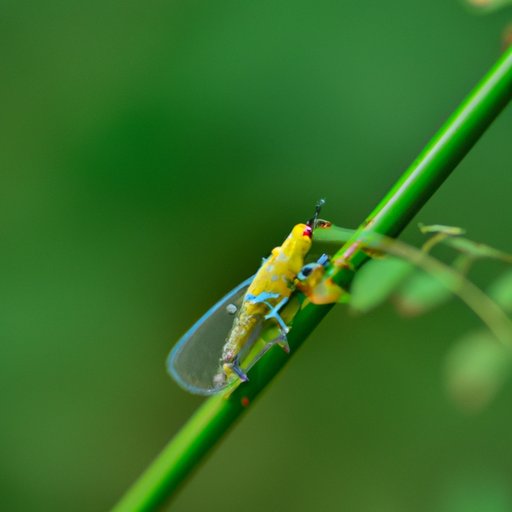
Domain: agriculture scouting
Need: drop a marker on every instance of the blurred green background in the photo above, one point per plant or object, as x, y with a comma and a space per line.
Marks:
150, 154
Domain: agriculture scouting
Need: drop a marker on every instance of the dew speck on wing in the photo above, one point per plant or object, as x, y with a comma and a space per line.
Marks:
231, 309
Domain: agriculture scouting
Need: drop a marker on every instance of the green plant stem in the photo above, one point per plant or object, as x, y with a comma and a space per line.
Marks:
217, 414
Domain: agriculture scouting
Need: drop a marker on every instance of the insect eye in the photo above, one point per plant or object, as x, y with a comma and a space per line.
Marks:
308, 232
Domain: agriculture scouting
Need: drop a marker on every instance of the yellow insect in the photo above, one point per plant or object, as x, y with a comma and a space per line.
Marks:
211, 353
267, 294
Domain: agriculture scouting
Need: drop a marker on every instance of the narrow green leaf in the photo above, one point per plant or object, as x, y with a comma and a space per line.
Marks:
476, 368
376, 281
477, 250
332, 234
501, 291
441, 228
438, 232
421, 293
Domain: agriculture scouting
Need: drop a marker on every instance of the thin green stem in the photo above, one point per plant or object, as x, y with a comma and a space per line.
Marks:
215, 417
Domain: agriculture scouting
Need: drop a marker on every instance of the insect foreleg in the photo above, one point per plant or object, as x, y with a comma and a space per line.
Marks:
274, 313
323, 260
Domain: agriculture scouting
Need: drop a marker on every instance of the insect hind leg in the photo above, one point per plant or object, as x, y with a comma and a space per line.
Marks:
234, 367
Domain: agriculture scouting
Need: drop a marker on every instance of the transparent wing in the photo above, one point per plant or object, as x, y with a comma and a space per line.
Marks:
194, 360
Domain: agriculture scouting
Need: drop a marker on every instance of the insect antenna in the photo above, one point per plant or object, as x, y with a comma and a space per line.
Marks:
313, 221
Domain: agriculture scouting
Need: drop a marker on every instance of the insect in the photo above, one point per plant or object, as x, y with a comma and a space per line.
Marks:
222, 345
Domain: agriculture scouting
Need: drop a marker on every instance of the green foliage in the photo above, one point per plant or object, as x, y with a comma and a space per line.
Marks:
501, 291
441, 229
478, 363
477, 250
424, 292
476, 367
376, 281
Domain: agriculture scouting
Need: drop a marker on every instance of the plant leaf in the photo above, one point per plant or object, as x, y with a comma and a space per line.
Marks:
476, 367
477, 250
501, 291
422, 292
441, 228
376, 281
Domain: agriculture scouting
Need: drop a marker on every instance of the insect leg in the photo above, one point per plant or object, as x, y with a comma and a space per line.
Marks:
323, 260
263, 298
234, 367
274, 313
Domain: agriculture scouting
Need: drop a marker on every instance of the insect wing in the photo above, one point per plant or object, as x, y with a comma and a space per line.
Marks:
194, 360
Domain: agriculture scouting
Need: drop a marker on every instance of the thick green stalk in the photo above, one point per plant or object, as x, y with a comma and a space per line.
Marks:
214, 418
